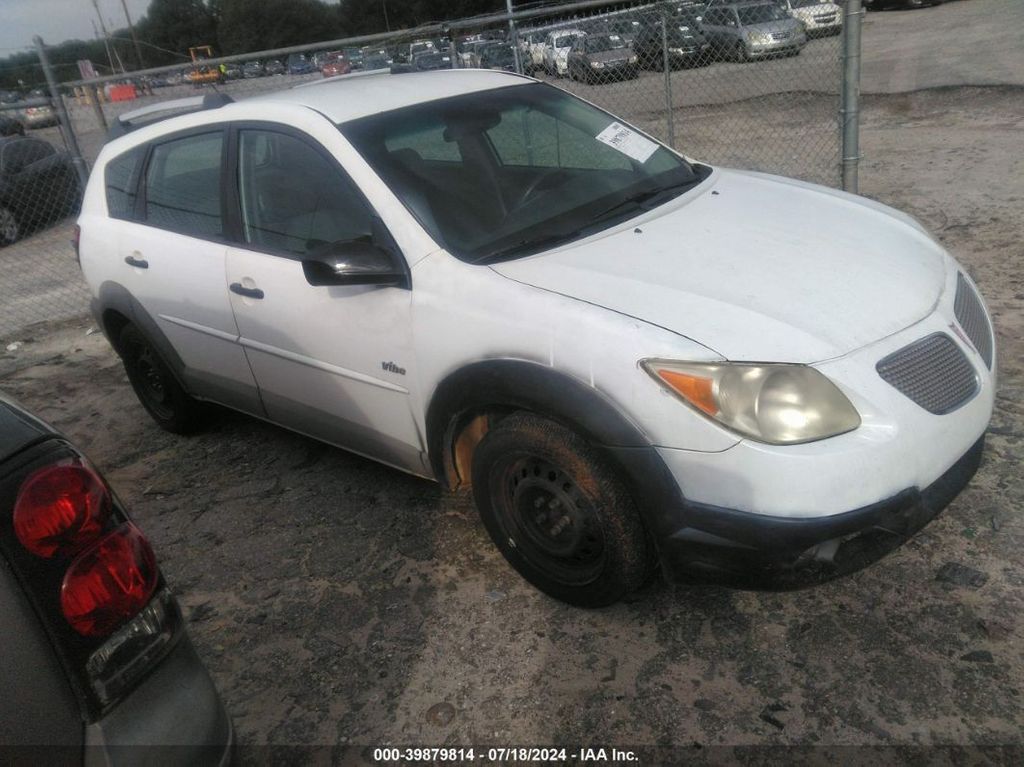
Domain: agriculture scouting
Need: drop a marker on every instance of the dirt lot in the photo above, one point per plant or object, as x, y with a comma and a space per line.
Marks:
337, 601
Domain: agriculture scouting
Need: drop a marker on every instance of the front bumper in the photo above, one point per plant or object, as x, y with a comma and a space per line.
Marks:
757, 551
757, 50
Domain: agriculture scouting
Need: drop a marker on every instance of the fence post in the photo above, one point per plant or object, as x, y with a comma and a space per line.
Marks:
93, 94
515, 37
666, 66
62, 113
849, 111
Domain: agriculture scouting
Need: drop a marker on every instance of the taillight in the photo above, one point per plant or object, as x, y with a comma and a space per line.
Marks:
60, 509
90, 573
109, 583
76, 240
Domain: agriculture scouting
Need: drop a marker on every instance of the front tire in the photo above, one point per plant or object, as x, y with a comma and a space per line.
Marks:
155, 386
559, 513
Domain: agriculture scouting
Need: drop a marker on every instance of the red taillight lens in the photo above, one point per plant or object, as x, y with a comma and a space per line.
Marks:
109, 583
60, 509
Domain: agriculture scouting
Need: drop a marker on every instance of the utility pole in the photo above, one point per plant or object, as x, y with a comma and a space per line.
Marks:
106, 47
135, 39
106, 35
384, 5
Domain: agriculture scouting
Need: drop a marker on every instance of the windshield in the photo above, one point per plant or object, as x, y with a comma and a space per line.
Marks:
502, 173
600, 43
565, 41
758, 14
806, 3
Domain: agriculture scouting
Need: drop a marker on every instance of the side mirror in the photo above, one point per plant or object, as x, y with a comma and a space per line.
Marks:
356, 262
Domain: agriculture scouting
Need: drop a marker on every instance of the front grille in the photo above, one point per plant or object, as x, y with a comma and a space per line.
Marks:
971, 315
933, 372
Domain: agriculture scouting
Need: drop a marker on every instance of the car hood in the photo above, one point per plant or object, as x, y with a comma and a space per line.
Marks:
756, 268
775, 27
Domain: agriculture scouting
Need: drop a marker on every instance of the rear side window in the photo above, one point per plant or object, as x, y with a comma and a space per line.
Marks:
120, 178
183, 191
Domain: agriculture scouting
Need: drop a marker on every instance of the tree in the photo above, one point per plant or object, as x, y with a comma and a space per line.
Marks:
177, 25
254, 25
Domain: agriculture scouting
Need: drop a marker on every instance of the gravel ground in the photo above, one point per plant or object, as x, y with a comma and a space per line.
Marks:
337, 601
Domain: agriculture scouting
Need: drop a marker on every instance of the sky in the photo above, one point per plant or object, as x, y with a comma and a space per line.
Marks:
58, 20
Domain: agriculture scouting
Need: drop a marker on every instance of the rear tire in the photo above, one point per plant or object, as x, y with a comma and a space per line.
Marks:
155, 386
559, 513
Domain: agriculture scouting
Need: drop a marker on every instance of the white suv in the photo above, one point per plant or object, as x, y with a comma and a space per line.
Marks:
474, 277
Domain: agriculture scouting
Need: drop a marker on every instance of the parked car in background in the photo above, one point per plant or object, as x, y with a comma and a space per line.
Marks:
355, 58
531, 45
426, 61
556, 50
253, 69
232, 71
97, 663
748, 30
42, 116
375, 58
38, 185
625, 27
274, 67
335, 63
684, 41
599, 58
819, 17
497, 55
299, 64
10, 124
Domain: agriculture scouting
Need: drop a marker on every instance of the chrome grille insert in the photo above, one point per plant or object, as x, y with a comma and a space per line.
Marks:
933, 372
970, 313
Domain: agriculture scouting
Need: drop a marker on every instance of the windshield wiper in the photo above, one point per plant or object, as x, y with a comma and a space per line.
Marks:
528, 244
640, 200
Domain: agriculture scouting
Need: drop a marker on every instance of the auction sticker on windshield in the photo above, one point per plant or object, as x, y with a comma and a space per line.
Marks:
627, 141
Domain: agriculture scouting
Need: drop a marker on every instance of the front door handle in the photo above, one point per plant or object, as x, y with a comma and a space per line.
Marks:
139, 263
236, 287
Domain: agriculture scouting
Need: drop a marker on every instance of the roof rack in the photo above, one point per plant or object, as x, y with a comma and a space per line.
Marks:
130, 121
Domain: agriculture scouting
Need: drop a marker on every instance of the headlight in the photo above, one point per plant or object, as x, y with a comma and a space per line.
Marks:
597, 64
780, 404
760, 37
632, 59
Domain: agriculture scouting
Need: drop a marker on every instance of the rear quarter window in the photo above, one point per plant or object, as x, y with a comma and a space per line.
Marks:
121, 181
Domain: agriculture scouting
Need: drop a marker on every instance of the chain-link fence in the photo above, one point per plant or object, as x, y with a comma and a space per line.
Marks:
754, 84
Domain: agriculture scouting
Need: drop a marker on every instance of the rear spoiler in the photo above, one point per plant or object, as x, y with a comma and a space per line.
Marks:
130, 121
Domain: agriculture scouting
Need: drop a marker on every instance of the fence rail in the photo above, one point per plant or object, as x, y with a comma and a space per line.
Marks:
776, 93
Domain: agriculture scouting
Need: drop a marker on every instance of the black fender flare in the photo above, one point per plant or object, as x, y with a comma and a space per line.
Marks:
524, 385
113, 296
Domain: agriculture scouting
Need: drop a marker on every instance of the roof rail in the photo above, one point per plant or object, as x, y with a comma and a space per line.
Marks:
129, 121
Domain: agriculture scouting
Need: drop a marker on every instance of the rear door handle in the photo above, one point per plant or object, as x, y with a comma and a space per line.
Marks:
136, 262
236, 287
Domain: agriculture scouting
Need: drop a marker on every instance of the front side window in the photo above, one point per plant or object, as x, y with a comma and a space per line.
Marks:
530, 165
183, 191
293, 200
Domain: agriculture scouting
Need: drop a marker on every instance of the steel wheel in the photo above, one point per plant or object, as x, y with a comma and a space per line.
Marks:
553, 524
559, 512
155, 386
